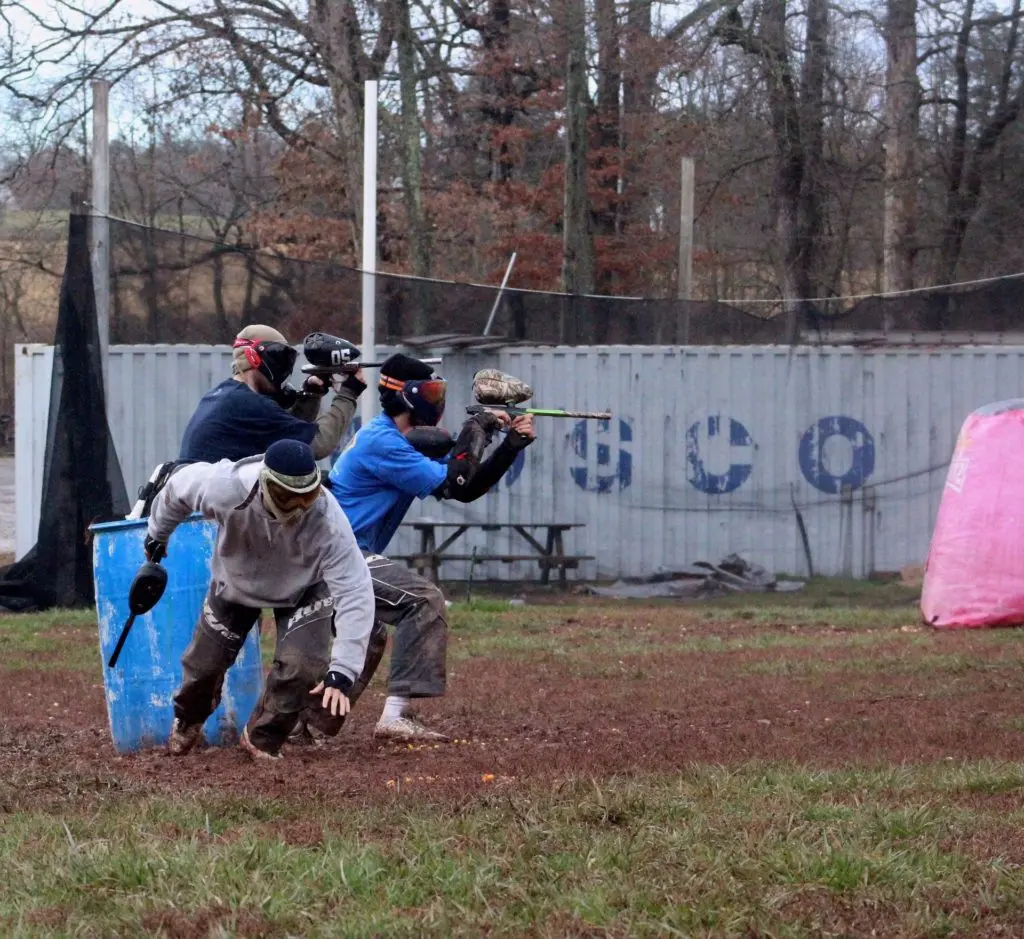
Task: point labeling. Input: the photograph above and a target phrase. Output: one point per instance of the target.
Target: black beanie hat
(292, 465)
(405, 368)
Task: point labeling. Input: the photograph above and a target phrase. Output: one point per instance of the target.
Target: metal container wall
(710, 448)
(708, 451)
(139, 687)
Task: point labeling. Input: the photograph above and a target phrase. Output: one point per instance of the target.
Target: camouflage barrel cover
(493, 387)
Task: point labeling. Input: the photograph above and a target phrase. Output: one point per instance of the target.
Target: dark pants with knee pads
(415, 607)
(301, 658)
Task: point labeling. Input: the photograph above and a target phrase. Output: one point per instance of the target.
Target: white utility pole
(368, 400)
(685, 278)
(501, 290)
(100, 199)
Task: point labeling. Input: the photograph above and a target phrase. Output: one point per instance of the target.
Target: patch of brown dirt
(517, 720)
(52, 698)
(176, 924)
(824, 912)
(50, 917)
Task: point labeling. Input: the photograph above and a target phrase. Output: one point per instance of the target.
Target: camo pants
(415, 608)
(301, 658)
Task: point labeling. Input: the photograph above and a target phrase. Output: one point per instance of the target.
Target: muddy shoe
(255, 752)
(405, 729)
(306, 736)
(301, 736)
(183, 737)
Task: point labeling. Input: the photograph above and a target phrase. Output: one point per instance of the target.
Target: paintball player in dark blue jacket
(245, 414)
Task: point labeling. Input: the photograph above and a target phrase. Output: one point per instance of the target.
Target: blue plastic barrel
(140, 686)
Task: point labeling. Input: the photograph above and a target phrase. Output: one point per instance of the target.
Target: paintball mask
(273, 360)
(290, 480)
(423, 397)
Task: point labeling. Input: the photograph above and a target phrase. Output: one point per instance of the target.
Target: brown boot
(183, 737)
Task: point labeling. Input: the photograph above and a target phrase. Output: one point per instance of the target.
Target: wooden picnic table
(549, 554)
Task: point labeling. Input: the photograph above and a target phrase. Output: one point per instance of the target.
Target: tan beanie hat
(257, 333)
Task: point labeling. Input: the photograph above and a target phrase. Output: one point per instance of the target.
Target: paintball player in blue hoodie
(387, 465)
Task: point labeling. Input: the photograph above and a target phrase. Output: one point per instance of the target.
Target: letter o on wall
(812, 449)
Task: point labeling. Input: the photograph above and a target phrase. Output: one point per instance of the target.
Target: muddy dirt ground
(520, 719)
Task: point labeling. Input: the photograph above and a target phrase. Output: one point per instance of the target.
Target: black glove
(354, 385)
(155, 550)
(339, 681)
(315, 389)
(487, 421)
(517, 441)
(286, 396)
(433, 442)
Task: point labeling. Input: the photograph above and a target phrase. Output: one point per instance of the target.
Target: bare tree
(902, 100)
(577, 236)
(976, 131)
(796, 110)
(412, 183)
(283, 52)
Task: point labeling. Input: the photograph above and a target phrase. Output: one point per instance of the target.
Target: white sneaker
(255, 752)
(405, 729)
(183, 737)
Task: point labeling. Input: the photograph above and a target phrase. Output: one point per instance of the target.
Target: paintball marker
(146, 590)
(496, 391)
(329, 355)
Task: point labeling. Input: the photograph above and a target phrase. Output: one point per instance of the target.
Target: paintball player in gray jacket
(282, 543)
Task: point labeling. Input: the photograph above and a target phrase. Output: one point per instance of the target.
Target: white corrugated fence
(707, 453)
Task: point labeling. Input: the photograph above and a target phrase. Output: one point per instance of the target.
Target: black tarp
(82, 481)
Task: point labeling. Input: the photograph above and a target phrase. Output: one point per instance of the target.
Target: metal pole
(685, 278)
(369, 266)
(501, 290)
(100, 199)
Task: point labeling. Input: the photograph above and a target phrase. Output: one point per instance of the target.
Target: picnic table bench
(550, 554)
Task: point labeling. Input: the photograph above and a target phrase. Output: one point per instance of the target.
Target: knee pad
(300, 670)
(435, 600)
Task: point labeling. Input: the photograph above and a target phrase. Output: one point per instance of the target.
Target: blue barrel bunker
(140, 686)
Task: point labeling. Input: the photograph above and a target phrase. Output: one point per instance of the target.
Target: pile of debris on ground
(698, 581)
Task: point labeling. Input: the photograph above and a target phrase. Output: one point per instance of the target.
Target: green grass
(761, 849)
(67, 638)
(823, 601)
(52, 223)
(20, 224)
(784, 850)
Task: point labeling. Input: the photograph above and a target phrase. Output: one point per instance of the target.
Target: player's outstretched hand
(335, 700)
(523, 425)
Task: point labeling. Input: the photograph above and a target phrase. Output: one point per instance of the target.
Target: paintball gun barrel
(331, 355)
(496, 391)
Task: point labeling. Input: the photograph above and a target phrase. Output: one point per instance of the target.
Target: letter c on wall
(739, 447)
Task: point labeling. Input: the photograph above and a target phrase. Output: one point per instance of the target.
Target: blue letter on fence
(599, 472)
(716, 484)
(812, 447)
(516, 469)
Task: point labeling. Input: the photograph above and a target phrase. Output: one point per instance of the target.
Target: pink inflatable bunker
(974, 575)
